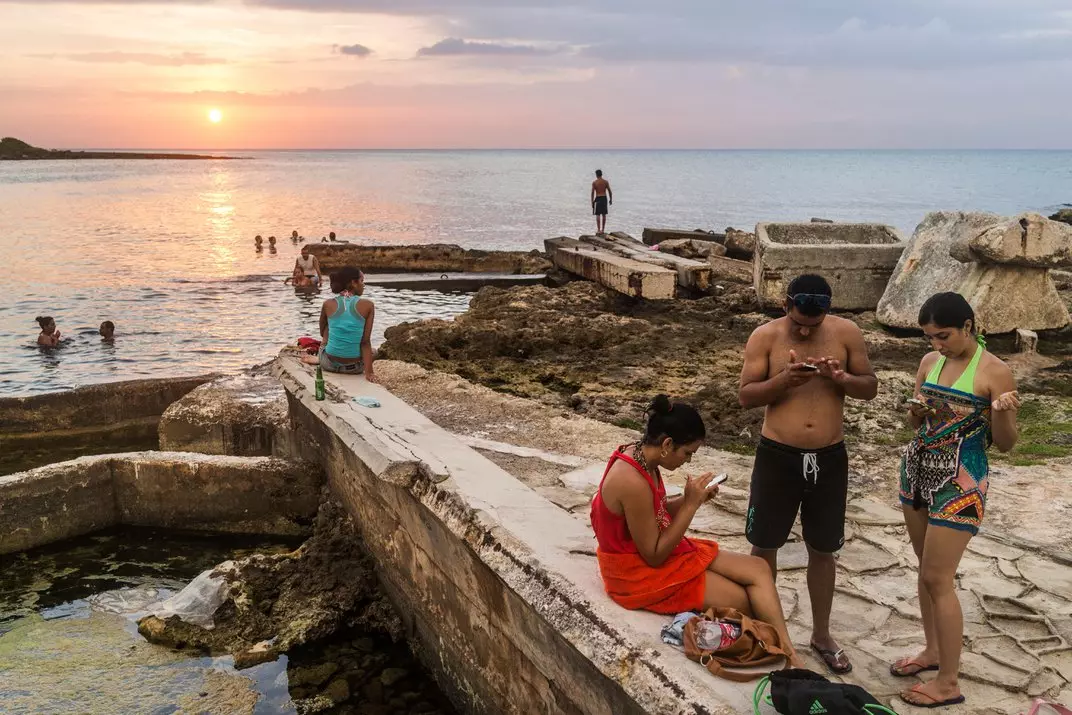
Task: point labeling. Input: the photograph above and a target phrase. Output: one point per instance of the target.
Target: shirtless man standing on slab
(801, 367)
(602, 197)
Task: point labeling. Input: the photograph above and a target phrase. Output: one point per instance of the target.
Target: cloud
(353, 50)
(144, 58)
(454, 47)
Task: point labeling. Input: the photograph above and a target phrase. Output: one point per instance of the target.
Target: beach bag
(796, 691)
(758, 645)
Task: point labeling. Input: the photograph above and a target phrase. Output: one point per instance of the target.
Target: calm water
(164, 249)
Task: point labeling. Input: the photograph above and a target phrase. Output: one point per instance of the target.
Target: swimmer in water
(107, 331)
(50, 336)
(258, 243)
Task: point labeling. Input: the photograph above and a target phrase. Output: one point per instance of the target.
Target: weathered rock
(985, 670)
(1029, 240)
(873, 513)
(262, 652)
(657, 236)
(1063, 215)
(740, 245)
(1009, 297)
(730, 269)
(1046, 575)
(695, 250)
(241, 415)
(1004, 297)
(390, 676)
(690, 274)
(311, 675)
(432, 258)
(860, 557)
(338, 691)
(856, 259)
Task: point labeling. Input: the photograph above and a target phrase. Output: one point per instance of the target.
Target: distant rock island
(12, 149)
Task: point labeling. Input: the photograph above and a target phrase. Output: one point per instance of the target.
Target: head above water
(257, 239)
(676, 428)
(294, 233)
(47, 323)
(599, 173)
(348, 278)
(807, 302)
(331, 235)
(107, 329)
(271, 240)
(948, 321)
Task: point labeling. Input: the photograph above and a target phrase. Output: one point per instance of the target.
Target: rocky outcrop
(288, 600)
(1063, 215)
(430, 258)
(241, 415)
(657, 236)
(12, 149)
(1001, 267)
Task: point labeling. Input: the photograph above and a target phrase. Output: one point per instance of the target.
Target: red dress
(675, 586)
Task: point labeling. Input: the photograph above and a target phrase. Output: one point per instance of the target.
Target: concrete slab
(690, 274)
(857, 259)
(625, 275)
(655, 236)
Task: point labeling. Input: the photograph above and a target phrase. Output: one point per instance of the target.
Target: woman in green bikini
(965, 401)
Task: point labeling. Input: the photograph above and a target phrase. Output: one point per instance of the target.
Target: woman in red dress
(645, 558)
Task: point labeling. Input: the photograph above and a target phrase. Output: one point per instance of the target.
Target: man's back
(600, 186)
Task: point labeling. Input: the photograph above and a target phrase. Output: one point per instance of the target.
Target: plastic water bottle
(319, 384)
(716, 635)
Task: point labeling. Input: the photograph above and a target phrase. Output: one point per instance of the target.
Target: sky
(323, 74)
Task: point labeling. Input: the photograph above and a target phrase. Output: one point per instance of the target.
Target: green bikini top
(966, 382)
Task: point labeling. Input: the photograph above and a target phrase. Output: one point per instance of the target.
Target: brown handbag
(759, 645)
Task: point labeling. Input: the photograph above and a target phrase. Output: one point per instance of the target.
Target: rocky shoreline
(12, 149)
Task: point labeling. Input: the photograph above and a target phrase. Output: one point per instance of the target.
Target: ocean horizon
(165, 249)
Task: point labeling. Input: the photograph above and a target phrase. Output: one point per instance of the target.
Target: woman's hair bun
(661, 405)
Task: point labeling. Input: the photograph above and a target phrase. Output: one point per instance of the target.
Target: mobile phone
(717, 479)
(918, 403)
(809, 366)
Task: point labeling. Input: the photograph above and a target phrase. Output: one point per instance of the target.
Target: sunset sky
(532, 73)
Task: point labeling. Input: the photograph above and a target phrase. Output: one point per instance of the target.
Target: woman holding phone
(965, 400)
(645, 558)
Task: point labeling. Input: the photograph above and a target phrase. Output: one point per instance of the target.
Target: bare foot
(920, 663)
(795, 661)
(934, 694)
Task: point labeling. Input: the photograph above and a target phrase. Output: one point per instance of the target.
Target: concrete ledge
(498, 590)
(435, 257)
(112, 417)
(255, 495)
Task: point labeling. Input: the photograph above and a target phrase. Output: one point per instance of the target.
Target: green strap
(871, 709)
(757, 694)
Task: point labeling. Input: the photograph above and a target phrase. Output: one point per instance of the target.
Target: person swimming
(107, 331)
(258, 243)
(299, 279)
(50, 335)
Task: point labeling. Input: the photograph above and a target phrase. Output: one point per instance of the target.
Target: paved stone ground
(1016, 594)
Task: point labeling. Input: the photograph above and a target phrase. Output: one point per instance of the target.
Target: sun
(215, 116)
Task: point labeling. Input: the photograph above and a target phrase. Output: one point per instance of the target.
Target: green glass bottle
(319, 383)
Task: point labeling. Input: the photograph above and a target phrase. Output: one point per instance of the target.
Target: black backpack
(802, 692)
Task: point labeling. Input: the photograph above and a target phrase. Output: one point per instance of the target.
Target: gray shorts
(348, 368)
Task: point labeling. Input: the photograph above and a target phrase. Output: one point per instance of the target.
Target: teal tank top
(345, 328)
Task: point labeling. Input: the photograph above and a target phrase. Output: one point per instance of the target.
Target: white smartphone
(809, 366)
(717, 479)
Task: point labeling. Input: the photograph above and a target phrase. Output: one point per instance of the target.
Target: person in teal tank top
(346, 326)
(965, 401)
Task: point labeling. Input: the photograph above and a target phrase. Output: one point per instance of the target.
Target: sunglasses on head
(814, 301)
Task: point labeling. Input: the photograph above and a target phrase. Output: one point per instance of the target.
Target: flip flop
(934, 702)
(897, 670)
(831, 658)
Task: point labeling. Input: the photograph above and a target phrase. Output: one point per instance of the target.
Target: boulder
(740, 244)
(1005, 296)
(925, 267)
(1063, 215)
(1029, 240)
(656, 236)
(241, 415)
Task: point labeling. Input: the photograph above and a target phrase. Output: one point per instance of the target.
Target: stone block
(1004, 297)
(690, 273)
(240, 415)
(656, 236)
(624, 275)
(1026, 341)
(856, 259)
(695, 250)
(730, 269)
(740, 245)
(1029, 240)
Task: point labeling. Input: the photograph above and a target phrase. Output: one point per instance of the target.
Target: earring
(663, 454)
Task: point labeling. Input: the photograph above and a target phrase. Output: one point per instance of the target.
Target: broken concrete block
(856, 259)
(625, 275)
(740, 244)
(655, 236)
(1026, 341)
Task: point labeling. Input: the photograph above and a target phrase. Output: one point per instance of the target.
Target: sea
(164, 249)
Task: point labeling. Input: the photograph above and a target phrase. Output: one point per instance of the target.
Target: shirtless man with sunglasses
(800, 367)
